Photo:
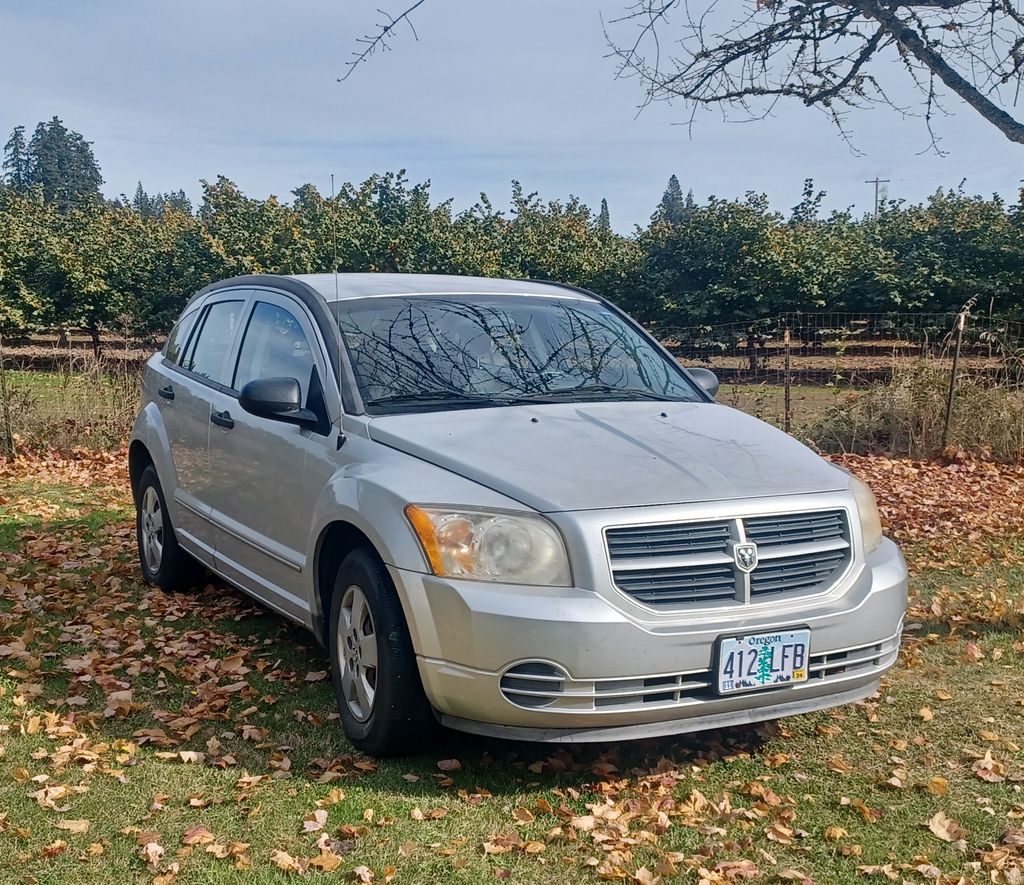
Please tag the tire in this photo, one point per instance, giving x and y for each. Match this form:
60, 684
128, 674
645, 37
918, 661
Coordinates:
164, 564
384, 710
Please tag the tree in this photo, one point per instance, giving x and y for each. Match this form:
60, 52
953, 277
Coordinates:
823, 53
826, 53
16, 160
673, 208
154, 205
178, 201
604, 221
62, 165
143, 204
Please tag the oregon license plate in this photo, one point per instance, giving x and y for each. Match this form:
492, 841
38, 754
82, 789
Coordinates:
762, 660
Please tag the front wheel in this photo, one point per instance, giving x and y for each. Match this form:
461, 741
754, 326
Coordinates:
373, 666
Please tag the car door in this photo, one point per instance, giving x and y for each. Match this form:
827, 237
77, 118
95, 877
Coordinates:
263, 492
196, 373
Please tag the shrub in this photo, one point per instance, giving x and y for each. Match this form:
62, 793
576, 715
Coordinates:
905, 416
86, 402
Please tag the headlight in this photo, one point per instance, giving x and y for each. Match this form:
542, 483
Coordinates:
491, 546
870, 521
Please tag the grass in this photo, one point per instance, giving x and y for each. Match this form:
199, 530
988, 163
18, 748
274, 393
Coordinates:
90, 402
827, 795
95, 409
906, 416
808, 402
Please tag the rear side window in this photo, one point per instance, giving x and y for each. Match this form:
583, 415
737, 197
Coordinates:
274, 346
208, 349
178, 338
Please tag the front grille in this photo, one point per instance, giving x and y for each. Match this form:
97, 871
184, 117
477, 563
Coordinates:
538, 684
680, 564
794, 573
668, 540
686, 584
849, 662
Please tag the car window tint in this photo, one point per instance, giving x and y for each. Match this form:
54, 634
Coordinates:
176, 341
274, 346
208, 352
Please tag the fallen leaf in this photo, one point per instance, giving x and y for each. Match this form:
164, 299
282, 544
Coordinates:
523, 815
314, 821
197, 836
945, 828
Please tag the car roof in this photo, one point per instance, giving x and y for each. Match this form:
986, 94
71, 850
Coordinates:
343, 286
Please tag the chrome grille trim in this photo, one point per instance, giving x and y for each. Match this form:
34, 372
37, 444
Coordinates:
767, 531
685, 689
682, 564
669, 540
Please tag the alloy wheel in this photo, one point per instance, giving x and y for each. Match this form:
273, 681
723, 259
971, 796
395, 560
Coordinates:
152, 529
357, 653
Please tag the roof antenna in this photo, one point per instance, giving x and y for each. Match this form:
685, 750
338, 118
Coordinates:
334, 237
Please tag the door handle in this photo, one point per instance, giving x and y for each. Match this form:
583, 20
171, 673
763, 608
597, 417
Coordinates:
223, 419
166, 392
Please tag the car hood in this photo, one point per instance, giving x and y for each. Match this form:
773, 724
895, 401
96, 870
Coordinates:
592, 456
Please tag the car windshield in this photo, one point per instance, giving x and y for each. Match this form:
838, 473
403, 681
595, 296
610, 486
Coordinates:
415, 353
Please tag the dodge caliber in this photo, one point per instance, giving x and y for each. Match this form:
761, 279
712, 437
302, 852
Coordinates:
503, 506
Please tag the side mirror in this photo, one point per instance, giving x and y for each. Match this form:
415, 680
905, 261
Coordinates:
279, 399
707, 379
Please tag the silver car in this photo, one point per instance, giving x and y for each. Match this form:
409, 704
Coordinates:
502, 506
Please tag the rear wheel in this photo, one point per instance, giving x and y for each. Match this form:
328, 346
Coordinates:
164, 563
380, 697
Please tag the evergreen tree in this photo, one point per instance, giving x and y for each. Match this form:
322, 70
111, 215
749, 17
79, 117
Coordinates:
62, 165
143, 203
177, 201
16, 165
672, 208
148, 206
690, 204
604, 221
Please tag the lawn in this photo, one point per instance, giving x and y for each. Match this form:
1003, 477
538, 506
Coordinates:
191, 738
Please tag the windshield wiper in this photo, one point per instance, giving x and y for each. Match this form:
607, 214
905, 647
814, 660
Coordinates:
594, 391
441, 398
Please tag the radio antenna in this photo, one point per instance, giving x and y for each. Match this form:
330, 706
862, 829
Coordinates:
334, 237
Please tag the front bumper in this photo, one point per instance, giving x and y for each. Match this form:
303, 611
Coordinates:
625, 675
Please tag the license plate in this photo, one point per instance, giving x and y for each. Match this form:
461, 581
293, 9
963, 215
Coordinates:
762, 660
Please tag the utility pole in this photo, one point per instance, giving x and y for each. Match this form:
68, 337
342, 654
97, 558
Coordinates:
876, 181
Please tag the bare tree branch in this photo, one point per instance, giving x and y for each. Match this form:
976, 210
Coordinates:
821, 52
933, 60
379, 39
825, 54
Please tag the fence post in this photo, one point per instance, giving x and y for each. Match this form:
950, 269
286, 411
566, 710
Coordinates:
5, 401
960, 320
787, 421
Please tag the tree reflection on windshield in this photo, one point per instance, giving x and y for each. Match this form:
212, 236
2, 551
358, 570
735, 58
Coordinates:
500, 348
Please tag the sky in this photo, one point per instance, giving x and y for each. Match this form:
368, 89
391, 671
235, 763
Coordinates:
174, 92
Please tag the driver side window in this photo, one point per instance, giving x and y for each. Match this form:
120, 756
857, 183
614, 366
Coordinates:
274, 346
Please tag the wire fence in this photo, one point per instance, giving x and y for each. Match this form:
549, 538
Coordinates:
789, 368
843, 381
